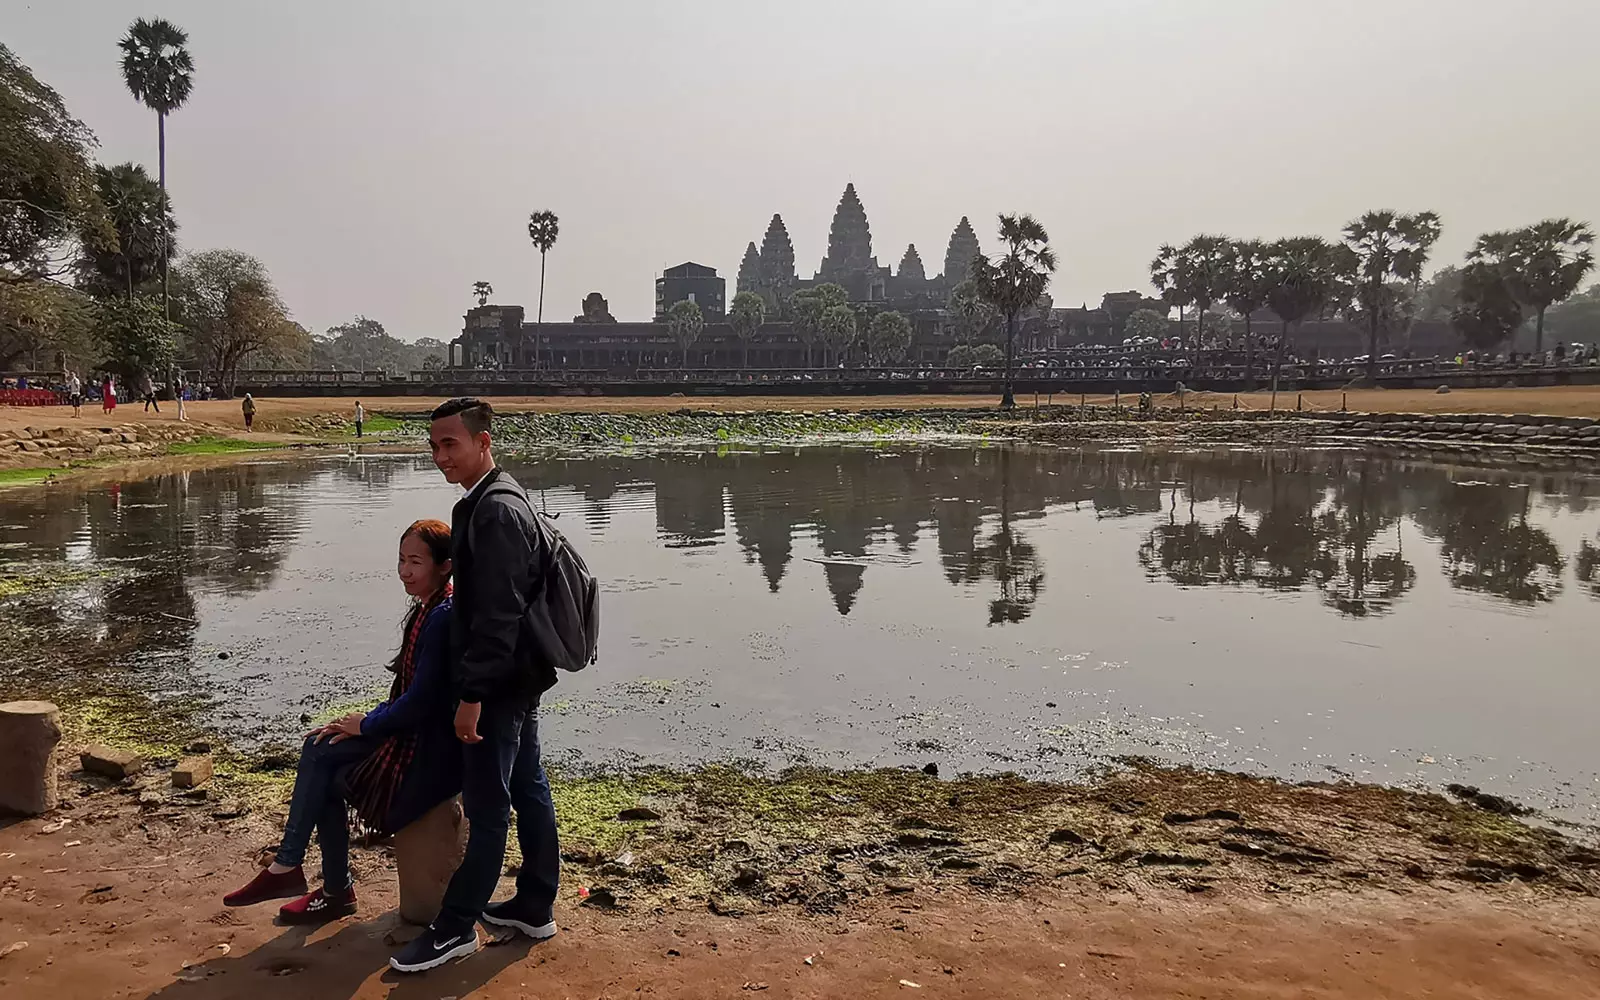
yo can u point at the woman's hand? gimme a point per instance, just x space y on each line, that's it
340 730
467 715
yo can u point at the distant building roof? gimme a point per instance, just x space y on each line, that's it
689 269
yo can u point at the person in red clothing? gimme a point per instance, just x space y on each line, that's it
391 764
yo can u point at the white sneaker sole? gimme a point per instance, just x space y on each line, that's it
434 961
539 932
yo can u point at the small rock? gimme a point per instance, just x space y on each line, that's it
223 655
118 764
899 888
192 772
601 898
639 813
13 948
1442 390
1065 836
931 770
197 747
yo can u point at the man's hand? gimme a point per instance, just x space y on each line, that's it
467 714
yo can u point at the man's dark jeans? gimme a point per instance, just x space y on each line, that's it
500 773
318 802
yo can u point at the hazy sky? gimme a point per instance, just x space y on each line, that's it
382 155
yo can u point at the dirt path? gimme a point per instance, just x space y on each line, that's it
274 413
133 916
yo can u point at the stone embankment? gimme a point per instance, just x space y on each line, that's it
34 447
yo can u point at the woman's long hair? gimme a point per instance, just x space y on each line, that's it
436 535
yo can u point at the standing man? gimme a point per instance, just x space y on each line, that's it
361 417
75 393
496 549
150 394
180 392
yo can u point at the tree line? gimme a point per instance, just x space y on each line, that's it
91 272
1374 277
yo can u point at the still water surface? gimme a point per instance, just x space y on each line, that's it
1309 614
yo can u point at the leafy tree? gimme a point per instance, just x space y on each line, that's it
481 290
960 356
988 355
1014 280
686 320
1549 260
1302 273
971 313
1202 270
47 194
1487 312
133 258
838 330
808 306
432 363
543 228
1438 297
889 337
1215 327
232 314
1578 318
1169 275
747 312
1246 282
159 73
44 323
1145 323
1387 245
135 339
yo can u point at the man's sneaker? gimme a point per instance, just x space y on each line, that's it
319 907
267 886
433 948
537 924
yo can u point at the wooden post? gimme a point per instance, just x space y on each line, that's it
426 854
29 734
1344 401
1116 403
1299 402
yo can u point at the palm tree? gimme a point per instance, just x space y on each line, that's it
1488 311
543 228
889 336
1202 272
838 330
1015 280
160 74
1551 259
482 290
1246 283
686 321
747 313
1166 274
1387 245
808 306
1301 274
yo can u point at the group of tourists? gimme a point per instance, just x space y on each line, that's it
478 649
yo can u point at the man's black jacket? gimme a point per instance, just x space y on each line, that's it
495 547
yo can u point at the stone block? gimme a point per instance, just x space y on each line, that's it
113 763
192 772
426 853
29 734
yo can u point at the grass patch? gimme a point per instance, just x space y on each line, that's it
377 423
25 477
218 446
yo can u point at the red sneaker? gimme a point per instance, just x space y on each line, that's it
267 886
319 907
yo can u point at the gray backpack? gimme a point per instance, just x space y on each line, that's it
564 610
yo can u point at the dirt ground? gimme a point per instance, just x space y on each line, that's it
129 913
273 414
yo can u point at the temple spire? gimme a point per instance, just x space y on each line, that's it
849 239
749 270
911 265
958 257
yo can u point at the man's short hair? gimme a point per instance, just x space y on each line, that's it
475 413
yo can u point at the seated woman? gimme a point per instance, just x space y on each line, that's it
391 765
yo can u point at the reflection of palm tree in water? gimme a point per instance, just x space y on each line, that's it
1489 546
1010 560
1363 582
1587 563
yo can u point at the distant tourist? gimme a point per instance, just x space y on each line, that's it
148 391
248 408
108 394
75 393
500 672
361 417
391 765
180 392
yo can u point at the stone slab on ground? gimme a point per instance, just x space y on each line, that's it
192 772
109 761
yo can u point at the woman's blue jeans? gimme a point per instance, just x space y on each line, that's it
318 803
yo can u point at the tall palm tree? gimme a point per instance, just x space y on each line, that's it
686 321
543 228
482 290
1551 259
159 73
1301 274
838 330
747 313
1015 279
1166 274
1387 245
1203 273
1246 283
